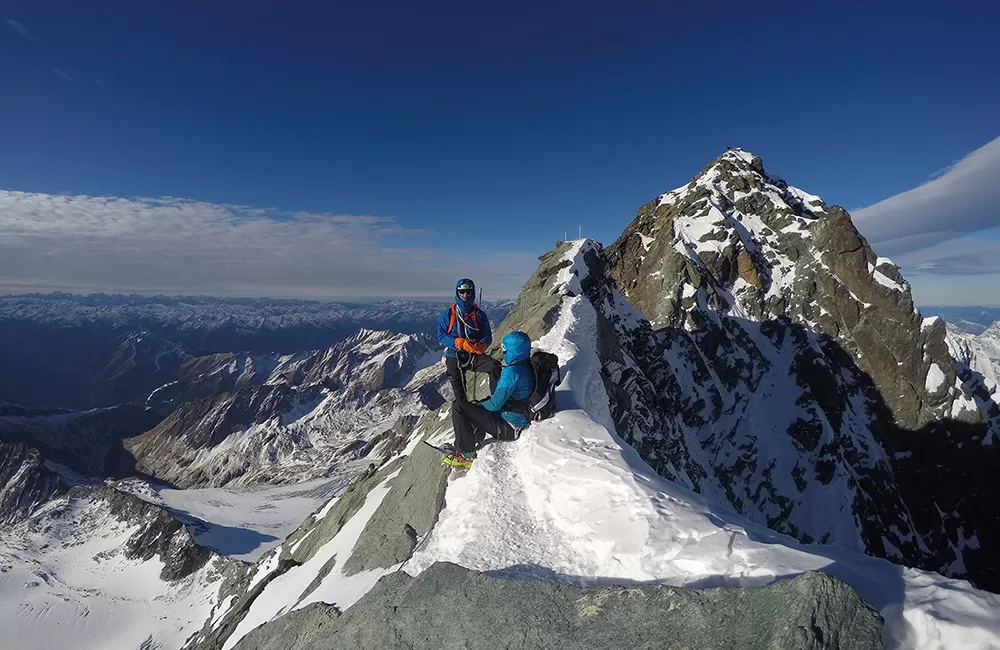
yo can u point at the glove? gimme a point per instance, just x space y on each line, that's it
475 347
460 344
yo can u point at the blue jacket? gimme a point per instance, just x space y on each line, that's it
517 379
464 328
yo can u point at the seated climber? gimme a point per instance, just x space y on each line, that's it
464 331
499 416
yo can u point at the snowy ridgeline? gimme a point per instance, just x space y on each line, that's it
569 502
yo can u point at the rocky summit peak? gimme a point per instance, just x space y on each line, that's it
782 367
738 242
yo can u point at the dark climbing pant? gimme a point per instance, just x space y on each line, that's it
478 363
472 422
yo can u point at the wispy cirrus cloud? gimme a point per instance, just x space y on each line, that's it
62 73
18 27
168 245
931 225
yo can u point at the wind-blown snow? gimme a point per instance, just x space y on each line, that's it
570 501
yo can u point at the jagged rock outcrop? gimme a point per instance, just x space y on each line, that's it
778 364
755 349
159 534
153 531
680 260
447 606
415 487
292 426
25 481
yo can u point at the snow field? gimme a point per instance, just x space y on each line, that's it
245 523
73 587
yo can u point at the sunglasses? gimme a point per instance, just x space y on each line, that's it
465 292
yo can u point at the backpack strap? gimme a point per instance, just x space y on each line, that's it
451 323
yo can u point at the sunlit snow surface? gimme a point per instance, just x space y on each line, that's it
72 587
245 523
570 501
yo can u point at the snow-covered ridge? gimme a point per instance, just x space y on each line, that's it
570 501
595 511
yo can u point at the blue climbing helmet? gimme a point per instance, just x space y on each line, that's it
516 348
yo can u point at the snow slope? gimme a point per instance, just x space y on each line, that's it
241 523
570 501
68 582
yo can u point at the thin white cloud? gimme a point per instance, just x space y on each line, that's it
63 74
19 28
86 243
978 253
964 199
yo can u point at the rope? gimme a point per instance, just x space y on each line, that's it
464 328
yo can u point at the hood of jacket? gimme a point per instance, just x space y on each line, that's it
516 348
465 305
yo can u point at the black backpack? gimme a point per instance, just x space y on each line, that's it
541 404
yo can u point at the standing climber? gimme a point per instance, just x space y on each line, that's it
464 331
502 415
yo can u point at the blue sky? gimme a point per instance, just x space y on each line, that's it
470 129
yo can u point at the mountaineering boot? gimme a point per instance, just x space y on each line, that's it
459 459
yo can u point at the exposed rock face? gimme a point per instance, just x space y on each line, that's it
739 242
87 442
291 426
25 481
778 364
152 530
447 606
159 534
407 512
537 306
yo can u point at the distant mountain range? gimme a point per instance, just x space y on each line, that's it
66 351
747 393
